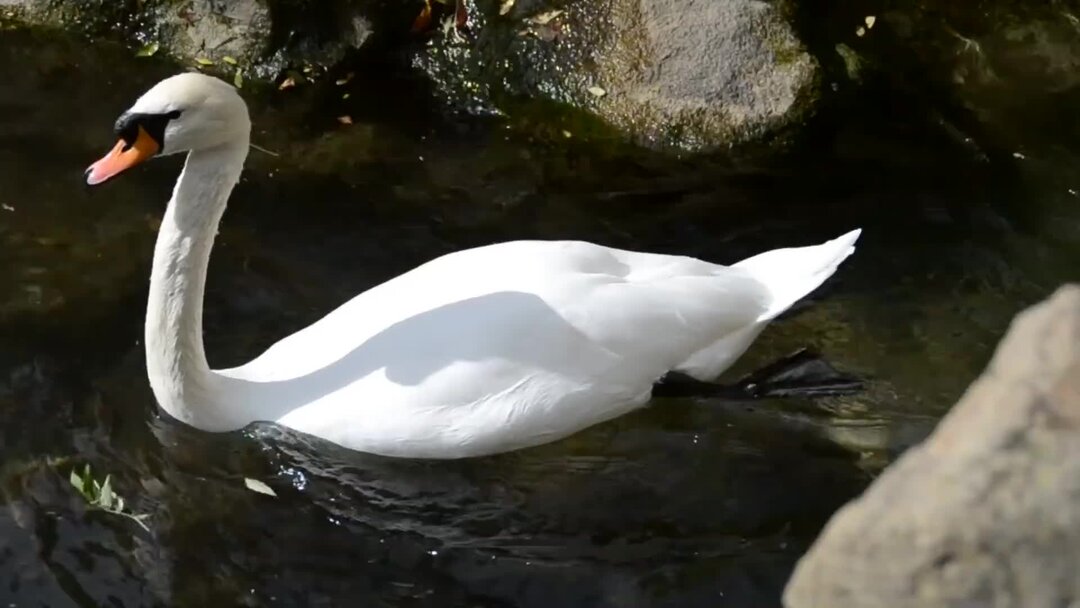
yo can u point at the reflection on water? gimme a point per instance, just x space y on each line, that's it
686 503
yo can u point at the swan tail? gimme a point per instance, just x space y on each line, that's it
788 275
791 274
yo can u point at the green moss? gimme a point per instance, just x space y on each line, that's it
91 17
853 64
785 50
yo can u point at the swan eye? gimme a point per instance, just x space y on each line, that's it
127 126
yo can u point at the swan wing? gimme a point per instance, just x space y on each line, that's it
497 348
646 308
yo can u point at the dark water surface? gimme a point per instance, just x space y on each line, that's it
686 503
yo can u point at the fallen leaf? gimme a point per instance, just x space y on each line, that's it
345 120
597 91
229 60
345 96
238 80
203 61
423 20
545 17
860 31
344 80
449 28
567 134
870 20
257 486
288 83
461 14
147 50
506 6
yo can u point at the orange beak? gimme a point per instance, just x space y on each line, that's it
122 157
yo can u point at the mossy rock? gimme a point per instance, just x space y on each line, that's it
259 37
692 75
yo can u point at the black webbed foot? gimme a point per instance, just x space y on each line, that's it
802 374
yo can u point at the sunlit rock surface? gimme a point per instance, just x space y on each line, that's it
686 74
986 512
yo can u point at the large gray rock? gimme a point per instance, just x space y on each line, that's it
691 74
986 512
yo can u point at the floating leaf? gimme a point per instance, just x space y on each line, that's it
345 120
870 20
597 91
229 60
344 80
106 497
257 486
345 96
102 496
147 50
263 150
506 6
288 83
76 481
567 134
238 80
203 61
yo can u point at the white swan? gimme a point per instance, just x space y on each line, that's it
480 351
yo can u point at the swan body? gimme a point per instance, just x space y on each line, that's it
476 352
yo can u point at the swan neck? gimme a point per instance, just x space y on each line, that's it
176 361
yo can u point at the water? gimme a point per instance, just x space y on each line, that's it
686 503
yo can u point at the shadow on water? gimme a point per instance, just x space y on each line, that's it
686 503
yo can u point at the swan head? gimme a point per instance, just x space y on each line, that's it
182 113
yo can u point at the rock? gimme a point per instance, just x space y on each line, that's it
214 29
695 75
189 29
986 512
691 74
999 67
261 37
